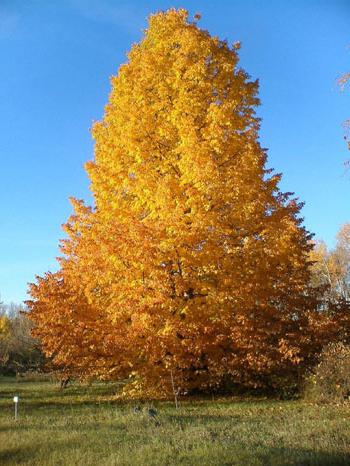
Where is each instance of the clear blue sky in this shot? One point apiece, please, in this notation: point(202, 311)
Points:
point(56, 57)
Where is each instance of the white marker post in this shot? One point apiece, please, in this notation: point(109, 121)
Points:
point(15, 400)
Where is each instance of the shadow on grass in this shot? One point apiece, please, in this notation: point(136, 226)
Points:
point(299, 457)
point(271, 456)
point(33, 454)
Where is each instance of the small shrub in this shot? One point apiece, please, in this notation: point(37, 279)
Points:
point(330, 381)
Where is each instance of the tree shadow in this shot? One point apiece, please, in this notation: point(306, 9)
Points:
point(25, 453)
point(280, 456)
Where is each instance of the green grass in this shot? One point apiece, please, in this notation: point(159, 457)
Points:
point(84, 426)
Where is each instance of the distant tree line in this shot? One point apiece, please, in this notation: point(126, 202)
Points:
point(19, 351)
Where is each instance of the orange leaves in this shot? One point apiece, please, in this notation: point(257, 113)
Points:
point(191, 260)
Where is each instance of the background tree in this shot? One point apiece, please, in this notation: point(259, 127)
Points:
point(331, 268)
point(192, 261)
point(19, 351)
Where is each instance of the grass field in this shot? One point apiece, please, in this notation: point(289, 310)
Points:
point(84, 426)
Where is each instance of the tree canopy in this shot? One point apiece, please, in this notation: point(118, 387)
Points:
point(191, 263)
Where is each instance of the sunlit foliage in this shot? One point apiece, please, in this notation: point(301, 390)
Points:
point(192, 263)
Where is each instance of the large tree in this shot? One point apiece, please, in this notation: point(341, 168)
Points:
point(192, 265)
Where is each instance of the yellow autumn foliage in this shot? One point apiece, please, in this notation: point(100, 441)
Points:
point(191, 261)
